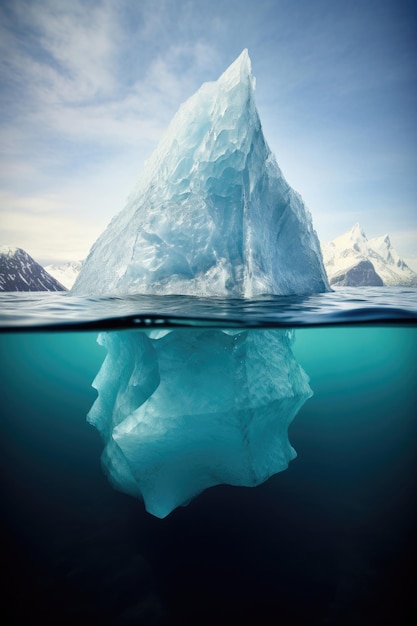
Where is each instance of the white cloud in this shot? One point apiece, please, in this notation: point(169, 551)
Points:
point(73, 74)
point(75, 42)
point(73, 84)
point(75, 130)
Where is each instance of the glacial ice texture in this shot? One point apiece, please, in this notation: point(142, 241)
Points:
point(212, 214)
point(187, 409)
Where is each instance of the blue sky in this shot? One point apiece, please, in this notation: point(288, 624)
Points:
point(88, 88)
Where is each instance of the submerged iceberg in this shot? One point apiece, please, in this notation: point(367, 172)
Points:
point(212, 214)
point(184, 410)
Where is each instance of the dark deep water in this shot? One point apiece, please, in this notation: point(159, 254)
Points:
point(331, 540)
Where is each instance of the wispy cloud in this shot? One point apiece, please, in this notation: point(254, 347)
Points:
point(61, 52)
point(72, 105)
point(70, 72)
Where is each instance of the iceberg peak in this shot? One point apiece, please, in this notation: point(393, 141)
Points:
point(240, 71)
point(212, 214)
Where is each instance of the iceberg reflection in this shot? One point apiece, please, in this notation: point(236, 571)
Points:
point(186, 409)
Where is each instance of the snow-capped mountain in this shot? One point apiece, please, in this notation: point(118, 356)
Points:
point(353, 260)
point(65, 273)
point(20, 272)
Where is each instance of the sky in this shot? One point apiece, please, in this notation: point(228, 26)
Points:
point(87, 88)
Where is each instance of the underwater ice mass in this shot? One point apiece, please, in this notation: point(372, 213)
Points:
point(183, 410)
point(189, 409)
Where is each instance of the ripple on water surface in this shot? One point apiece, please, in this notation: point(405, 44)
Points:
point(62, 311)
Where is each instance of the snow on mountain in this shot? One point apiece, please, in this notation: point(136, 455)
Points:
point(65, 273)
point(353, 260)
point(388, 263)
point(20, 272)
point(212, 214)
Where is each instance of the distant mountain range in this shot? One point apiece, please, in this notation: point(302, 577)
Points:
point(353, 260)
point(65, 273)
point(350, 260)
point(20, 272)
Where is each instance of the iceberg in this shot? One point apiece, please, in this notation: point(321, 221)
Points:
point(212, 214)
point(181, 410)
point(184, 410)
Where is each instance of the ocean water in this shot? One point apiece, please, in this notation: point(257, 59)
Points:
point(330, 540)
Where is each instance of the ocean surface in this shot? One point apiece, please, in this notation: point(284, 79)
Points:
point(330, 540)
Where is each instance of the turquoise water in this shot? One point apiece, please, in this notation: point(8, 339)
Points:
point(328, 541)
